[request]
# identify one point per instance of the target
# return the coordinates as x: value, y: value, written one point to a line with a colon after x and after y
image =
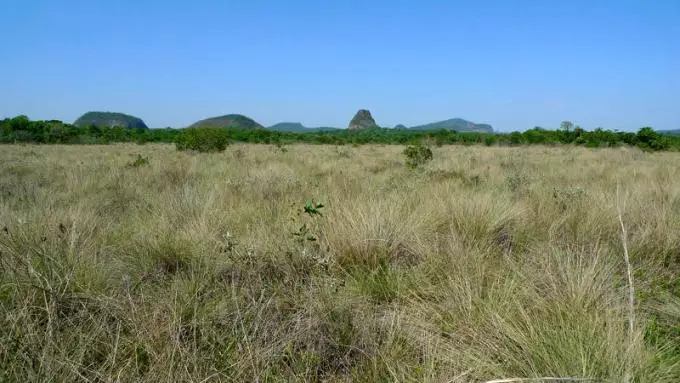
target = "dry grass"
x: 489, y: 263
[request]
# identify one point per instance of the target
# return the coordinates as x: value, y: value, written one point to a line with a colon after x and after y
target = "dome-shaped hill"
x: 238, y: 121
x: 457, y: 124
x: 288, y: 127
x: 110, y: 119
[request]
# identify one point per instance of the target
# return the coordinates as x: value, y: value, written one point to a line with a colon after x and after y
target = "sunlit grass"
x: 485, y: 263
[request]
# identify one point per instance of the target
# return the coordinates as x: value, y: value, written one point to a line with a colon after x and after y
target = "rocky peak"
x: 362, y: 120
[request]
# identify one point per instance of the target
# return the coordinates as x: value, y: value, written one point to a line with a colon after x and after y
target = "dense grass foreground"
x: 485, y: 263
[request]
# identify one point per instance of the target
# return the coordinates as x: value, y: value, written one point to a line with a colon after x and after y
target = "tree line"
x: 21, y: 129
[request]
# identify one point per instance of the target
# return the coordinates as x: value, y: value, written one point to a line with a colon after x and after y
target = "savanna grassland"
x: 485, y: 263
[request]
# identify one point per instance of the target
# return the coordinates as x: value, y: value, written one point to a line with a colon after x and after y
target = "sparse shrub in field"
x: 417, y: 155
x: 140, y: 161
x: 203, y: 139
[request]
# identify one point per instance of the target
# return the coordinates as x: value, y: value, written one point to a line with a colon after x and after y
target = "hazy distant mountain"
x: 296, y: 127
x: 288, y: 127
x: 110, y: 119
x: 228, y: 121
x: 400, y: 126
x: 673, y: 132
x: 457, y: 124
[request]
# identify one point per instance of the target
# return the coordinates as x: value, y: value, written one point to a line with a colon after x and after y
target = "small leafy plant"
x: 305, y: 232
x: 309, y: 232
x: 312, y: 208
x: 417, y: 155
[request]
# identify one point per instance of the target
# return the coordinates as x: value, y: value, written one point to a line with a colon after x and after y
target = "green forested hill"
x: 237, y: 121
x: 110, y: 120
x: 457, y: 124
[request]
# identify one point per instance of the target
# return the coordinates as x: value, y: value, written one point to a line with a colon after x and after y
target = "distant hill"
x: 288, y: 127
x: 673, y: 132
x: 110, y: 119
x: 362, y: 120
x: 296, y: 127
x: 228, y: 121
x: 457, y: 124
x: 400, y: 126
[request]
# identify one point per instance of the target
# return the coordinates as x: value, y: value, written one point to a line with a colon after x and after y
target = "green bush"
x: 417, y: 155
x: 648, y: 139
x: 203, y: 139
x: 489, y: 140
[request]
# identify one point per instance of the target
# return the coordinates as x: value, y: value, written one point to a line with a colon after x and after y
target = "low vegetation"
x: 22, y: 130
x: 326, y: 263
x: 202, y: 139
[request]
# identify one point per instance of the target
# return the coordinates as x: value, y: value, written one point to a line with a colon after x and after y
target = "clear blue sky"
x: 513, y: 64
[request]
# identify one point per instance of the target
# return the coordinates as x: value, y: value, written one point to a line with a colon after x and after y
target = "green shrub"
x: 648, y: 139
x: 417, y: 155
x: 203, y: 139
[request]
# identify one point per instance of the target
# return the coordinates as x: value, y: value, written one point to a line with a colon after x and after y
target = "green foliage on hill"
x: 22, y: 130
x: 110, y: 120
x: 236, y: 121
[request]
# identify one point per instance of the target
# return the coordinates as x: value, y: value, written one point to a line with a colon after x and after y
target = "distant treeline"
x: 23, y: 130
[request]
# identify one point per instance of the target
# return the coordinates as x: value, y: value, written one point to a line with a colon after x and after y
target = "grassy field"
x: 486, y: 263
